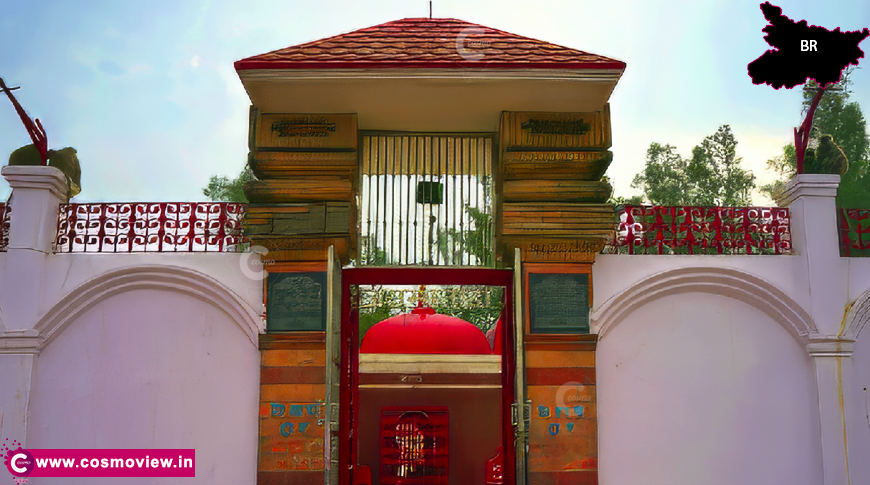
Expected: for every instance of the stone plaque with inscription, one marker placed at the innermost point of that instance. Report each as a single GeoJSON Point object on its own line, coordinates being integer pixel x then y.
{"type": "Point", "coordinates": [556, 131]}
{"type": "Point", "coordinates": [303, 132]}
{"type": "Point", "coordinates": [583, 250]}
{"type": "Point", "coordinates": [296, 302]}
{"type": "Point", "coordinates": [559, 303]}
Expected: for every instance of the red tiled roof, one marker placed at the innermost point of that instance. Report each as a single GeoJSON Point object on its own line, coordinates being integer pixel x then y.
{"type": "Point", "coordinates": [428, 43]}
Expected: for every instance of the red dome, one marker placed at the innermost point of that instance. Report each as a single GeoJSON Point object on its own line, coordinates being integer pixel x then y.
{"type": "Point", "coordinates": [424, 332]}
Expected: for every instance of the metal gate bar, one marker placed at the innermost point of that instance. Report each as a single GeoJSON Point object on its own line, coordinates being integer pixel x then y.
{"type": "Point", "coordinates": [452, 174]}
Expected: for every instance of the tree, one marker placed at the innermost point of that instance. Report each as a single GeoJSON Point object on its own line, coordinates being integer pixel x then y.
{"type": "Point", "coordinates": [456, 246]}
{"type": "Point", "coordinates": [712, 176]}
{"type": "Point", "coordinates": [620, 200]}
{"type": "Point", "coordinates": [785, 167]}
{"type": "Point", "coordinates": [845, 121]}
{"type": "Point", "coordinates": [223, 189]}
{"type": "Point", "coordinates": [663, 179]}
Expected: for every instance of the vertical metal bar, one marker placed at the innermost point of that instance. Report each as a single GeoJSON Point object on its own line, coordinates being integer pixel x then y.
{"type": "Point", "coordinates": [427, 239]}
{"type": "Point", "coordinates": [407, 181]}
{"type": "Point", "coordinates": [222, 219]}
{"type": "Point", "coordinates": [445, 207]}
{"type": "Point", "coordinates": [457, 207]}
{"type": "Point", "coordinates": [461, 193]}
{"type": "Point", "coordinates": [373, 158]}
{"type": "Point", "coordinates": [478, 197]}
{"type": "Point", "coordinates": [130, 228]}
{"type": "Point", "coordinates": [389, 163]}
{"type": "Point", "coordinates": [400, 156]}
{"type": "Point", "coordinates": [84, 231]}
{"type": "Point", "coordinates": [475, 169]}
{"type": "Point", "coordinates": [161, 224]}
{"type": "Point", "coordinates": [488, 198]}
{"type": "Point", "coordinates": [367, 199]}
{"type": "Point", "coordinates": [381, 148]}
{"type": "Point", "coordinates": [191, 232]}
{"type": "Point", "coordinates": [417, 148]}
{"type": "Point", "coordinates": [70, 228]}
{"type": "Point", "coordinates": [435, 141]}
{"type": "Point", "coordinates": [101, 230]}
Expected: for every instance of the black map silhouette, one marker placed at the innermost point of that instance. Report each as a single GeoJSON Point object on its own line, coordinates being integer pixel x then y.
{"type": "Point", "coordinates": [792, 59]}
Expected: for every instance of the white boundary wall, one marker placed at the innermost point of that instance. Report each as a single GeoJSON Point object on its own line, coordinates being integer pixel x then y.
{"type": "Point", "coordinates": [711, 369]}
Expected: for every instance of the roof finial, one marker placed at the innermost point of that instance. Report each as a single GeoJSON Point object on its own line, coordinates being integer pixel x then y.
{"type": "Point", "coordinates": [430, 9]}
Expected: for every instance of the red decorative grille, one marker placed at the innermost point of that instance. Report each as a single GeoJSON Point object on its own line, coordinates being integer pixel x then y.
{"type": "Point", "coordinates": [414, 448]}
{"type": "Point", "coordinates": [5, 214]}
{"type": "Point", "coordinates": [854, 227]}
{"type": "Point", "coordinates": [150, 227]}
{"type": "Point", "coordinates": [701, 230]}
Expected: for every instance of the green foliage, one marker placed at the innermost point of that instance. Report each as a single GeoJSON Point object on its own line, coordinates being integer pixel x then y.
{"type": "Point", "coordinates": [475, 242]}
{"type": "Point", "coordinates": [64, 159]}
{"type": "Point", "coordinates": [845, 122]}
{"type": "Point", "coordinates": [479, 306]}
{"type": "Point", "coordinates": [620, 200]}
{"type": "Point", "coordinates": [26, 155]}
{"type": "Point", "coordinates": [68, 162]}
{"type": "Point", "coordinates": [222, 189]}
{"type": "Point", "coordinates": [663, 180]}
{"type": "Point", "coordinates": [371, 314]}
{"type": "Point", "coordinates": [374, 255]}
{"type": "Point", "coordinates": [482, 316]}
{"type": "Point", "coordinates": [711, 177]}
{"type": "Point", "coordinates": [785, 166]}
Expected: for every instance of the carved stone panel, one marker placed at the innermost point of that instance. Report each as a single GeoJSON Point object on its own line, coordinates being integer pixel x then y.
{"type": "Point", "coordinates": [559, 303]}
{"type": "Point", "coordinates": [296, 301]}
{"type": "Point", "coordinates": [306, 132]}
{"type": "Point", "coordinates": [556, 131]}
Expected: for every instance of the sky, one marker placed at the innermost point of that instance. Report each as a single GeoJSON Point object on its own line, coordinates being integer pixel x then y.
{"type": "Point", "coordinates": [147, 94]}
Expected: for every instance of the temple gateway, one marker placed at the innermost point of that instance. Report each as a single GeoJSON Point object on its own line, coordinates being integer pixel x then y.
{"type": "Point", "coordinates": [428, 286]}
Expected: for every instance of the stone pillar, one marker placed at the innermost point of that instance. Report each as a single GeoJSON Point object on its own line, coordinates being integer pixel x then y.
{"type": "Point", "coordinates": [36, 193]}
{"type": "Point", "coordinates": [550, 192]}
{"type": "Point", "coordinates": [811, 202]}
{"type": "Point", "coordinates": [302, 203]}
{"type": "Point", "coordinates": [829, 358]}
{"type": "Point", "coordinates": [551, 206]}
{"type": "Point", "coordinates": [812, 208]}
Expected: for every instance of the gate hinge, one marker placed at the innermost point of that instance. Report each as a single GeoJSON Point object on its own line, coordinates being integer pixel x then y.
{"type": "Point", "coordinates": [527, 413]}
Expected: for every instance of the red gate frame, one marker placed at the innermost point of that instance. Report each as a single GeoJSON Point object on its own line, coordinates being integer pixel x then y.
{"type": "Point", "coordinates": [349, 414]}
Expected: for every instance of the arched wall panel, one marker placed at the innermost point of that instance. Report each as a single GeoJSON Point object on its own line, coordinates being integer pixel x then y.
{"type": "Point", "coordinates": [857, 404]}
{"type": "Point", "coordinates": [703, 388]}
{"type": "Point", "coordinates": [150, 368]}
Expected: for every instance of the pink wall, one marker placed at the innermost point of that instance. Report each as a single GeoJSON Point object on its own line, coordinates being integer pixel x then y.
{"type": "Point", "coordinates": [151, 369]}
{"type": "Point", "coordinates": [857, 403]}
{"type": "Point", "coordinates": [699, 388]}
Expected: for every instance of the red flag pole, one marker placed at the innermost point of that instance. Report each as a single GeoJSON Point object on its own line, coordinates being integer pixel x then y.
{"type": "Point", "coordinates": [36, 131]}
{"type": "Point", "coordinates": [802, 134]}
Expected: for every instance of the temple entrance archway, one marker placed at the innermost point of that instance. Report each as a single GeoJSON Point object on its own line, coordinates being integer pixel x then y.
{"type": "Point", "coordinates": [344, 379]}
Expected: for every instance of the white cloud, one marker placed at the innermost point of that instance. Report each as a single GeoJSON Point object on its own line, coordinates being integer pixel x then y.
{"type": "Point", "coordinates": [194, 61]}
